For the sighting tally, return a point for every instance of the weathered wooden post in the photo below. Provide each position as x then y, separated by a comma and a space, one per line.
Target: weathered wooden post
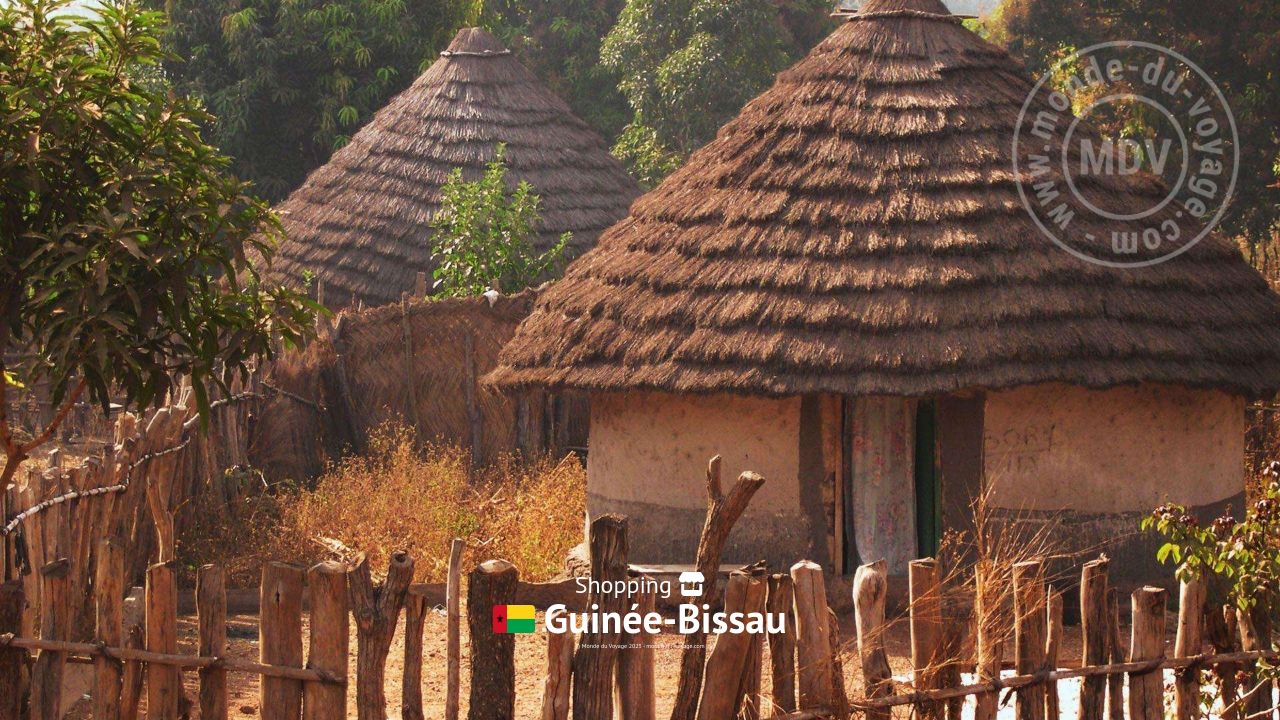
329, 641
926, 629
453, 631
280, 639
134, 676
415, 615
1255, 636
870, 586
1029, 634
991, 628
1052, 645
813, 637
635, 678
1190, 642
46, 676
211, 617
1115, 654
1146, 688
493, 663
782, 645
11, 659
1222, 632
593, 664
108, 593
1093, 632
728, 662
839, 693
556, 690
376, 610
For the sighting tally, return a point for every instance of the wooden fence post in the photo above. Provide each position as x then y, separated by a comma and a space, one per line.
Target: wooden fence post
870, 586
1053, 644
1116, 654
11, 659
1222, 632
329, 641
635, 676
415, 612
1190, 641
555, 693
1093, 633
838, 690
376, 610
453, 631
782, 645
1255, 635
1029, 634
280, 639
813, 641
990, 619
723, 675
593, 664
108, 591
46, 676
131, 681
164, 682
211, 618
1146, 689
926, 629
493, 664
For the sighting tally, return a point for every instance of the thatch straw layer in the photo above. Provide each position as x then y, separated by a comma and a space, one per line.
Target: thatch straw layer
858, 229
361, 223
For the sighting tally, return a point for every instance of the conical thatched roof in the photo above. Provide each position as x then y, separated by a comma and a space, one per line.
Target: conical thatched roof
360, 223
857, 229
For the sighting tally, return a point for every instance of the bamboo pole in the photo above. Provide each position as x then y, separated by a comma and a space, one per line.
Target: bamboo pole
46, 675
1053, 644
415, 611
593, 663
813, 642
1190, 641
12, 659
1146, 688
1029, 634
329, 641
1115, 654
636, 689
555, 693
376, 610
108, 591
782, 645
926, 628
280, 639
453, 632
728, 661
493, 669
1093, 632
211, 617
870, 586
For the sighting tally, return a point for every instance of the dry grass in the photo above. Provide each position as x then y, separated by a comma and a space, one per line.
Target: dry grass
400, 496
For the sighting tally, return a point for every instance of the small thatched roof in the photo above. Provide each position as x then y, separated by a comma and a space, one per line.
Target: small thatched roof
857, 229
361, 223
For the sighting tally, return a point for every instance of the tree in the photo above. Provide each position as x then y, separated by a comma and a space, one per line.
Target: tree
291, 80
688, 66
483, 233
124, 242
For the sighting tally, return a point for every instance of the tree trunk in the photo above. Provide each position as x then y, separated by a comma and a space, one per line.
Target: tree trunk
376, 610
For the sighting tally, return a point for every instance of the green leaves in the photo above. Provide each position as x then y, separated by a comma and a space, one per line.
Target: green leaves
483, 233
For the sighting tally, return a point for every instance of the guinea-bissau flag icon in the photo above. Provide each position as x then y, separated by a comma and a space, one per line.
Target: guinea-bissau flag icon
513, 619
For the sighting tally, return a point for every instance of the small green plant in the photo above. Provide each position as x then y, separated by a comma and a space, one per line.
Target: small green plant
483, 235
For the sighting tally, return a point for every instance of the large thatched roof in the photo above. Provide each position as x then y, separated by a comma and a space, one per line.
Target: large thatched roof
857, 229
361, 222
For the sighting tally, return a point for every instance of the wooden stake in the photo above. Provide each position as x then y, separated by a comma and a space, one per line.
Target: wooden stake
1115, 651
131, 681
376, 610
1222, 632
870, 586
723, 680
1093, 631
555, 693
329, 641
813, 637
636, 692
12, 660
990, 619
722, 512
1052, 645
1146, 689
1029, 634
593, 664
415, 611
1190, 641
841, 695
211, 615
493, 664
782, 645
1255, 634
46, 676
926, 629
280, 639
453, 631
108, 592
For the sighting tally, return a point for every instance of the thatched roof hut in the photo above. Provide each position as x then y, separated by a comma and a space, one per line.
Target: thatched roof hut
361, 223
844, 291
